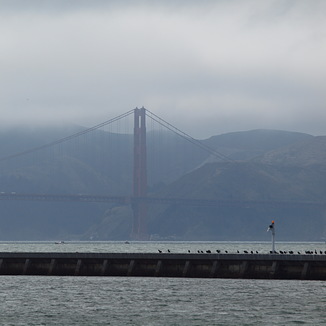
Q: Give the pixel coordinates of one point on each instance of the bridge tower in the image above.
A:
(139, 206)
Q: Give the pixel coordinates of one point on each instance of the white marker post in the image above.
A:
(272, 228)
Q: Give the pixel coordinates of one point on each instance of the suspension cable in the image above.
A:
(65, 139)
(188, 137)
(153, 116)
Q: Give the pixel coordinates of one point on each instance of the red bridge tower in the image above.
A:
(139, 206)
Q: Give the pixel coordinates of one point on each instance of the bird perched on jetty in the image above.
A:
(160, 251)
(208, 251)
(245, 251)
(218, 251)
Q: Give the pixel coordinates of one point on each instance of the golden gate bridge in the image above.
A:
(139, 199)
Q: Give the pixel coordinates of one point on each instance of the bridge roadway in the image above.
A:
(206, 265)
(152, 200)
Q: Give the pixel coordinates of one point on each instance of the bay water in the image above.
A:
(47, 300)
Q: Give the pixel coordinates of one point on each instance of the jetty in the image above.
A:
(199, 265)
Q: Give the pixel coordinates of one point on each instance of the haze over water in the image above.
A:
(33, 300)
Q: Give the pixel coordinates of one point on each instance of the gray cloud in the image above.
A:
(207, 67)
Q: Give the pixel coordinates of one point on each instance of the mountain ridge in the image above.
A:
(262, 167)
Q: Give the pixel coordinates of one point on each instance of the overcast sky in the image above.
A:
(207, 67)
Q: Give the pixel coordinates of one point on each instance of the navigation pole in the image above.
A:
(139, 205)
(272, 229)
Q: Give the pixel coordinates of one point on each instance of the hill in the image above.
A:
(289, 172)
(245, 145)
(311, 151)
(264, 165)
(269, 192)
